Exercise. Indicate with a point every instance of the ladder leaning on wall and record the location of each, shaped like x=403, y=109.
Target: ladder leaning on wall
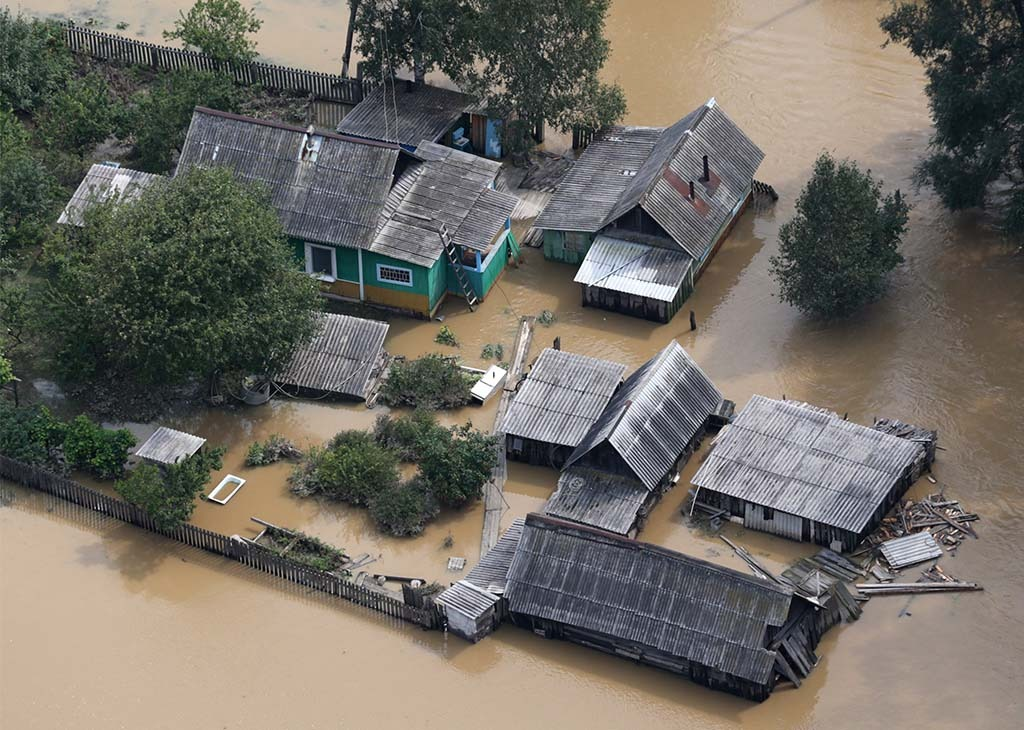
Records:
x=454, y=259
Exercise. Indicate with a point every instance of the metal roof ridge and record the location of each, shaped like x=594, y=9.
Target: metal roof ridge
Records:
x=292, y=128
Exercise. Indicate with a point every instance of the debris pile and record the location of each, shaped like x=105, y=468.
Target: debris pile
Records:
x=945, y=519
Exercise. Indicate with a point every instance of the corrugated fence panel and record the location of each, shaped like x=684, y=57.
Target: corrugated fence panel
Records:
x=781, y=523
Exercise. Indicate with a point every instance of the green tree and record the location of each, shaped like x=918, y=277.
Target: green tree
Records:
x=34, y=61
x=541, y=61
x=162, y=114
x=168, y=495
x=30, y=435
x=355, y=468
x=432, y=382
x=27, y=189
x=81, y=115
x=835, y=253
x=193, y=278
x=423, y=35
x=973, y=53
x=218, y=28
x=403, y=509
x=100, y=451
x=455, y=463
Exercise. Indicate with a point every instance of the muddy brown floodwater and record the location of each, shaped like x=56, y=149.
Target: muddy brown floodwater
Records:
x=103, y=626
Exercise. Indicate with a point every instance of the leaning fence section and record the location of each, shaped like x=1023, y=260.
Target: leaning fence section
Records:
x=111, y=47
x=245, y=552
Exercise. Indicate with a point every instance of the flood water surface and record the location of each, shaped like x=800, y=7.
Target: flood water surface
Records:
x=103, y=626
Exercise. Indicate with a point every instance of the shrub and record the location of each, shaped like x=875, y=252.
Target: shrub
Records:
x=493, y=352
x=168, y=496
x=835, y=253
x=81, y=115
x=30, y=435
x=546, y=318
x=100, y=451
x=305, y=549
x=446, y=337
x=456, y=463
x=432, y=382
x=354, y=468
x=403, y=509
x=34, y=60
x=162, y=115
x=404, y=433
x=27, y=189
x=273, y=450
x=218, y=28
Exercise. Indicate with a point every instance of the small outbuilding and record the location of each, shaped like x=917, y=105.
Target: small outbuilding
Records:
x=656, y=419
x=103, y=182
x=168, y=446
x=721, y=628
x=345, y=358
x=611, y=502
x=556, y=405
x=803, y=472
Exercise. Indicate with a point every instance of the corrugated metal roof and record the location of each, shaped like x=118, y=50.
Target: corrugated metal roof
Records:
x=634, y=268
x=467, y=599
x=654, y=415
x=805, y=461
x=340, y=358
x=597, y=180
x=491, y=573
x=596, y=192
x=335, y=198
x=910, y=549
x=101, y=183
x=562, y=397
x=449, y=187
x=424, y=112
x=647, y=594
x=598, y=499
x=168, y=446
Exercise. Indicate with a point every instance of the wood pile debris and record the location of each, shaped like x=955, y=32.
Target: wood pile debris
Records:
x=948, y=522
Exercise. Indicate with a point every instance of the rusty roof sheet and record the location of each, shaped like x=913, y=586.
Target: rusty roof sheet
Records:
x=634, y=268
x=806, y=461
x=562, y=397
x=340, y=358
x=654, y=415
x=103, y=182
x=648, y=595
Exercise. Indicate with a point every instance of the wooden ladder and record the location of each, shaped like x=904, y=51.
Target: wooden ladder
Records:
x=455, y=260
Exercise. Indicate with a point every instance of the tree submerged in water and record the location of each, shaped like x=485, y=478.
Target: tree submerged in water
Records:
x=218, y=28
x=432, y=381
x=835, y=254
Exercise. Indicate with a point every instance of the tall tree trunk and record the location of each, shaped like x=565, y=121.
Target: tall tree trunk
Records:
x=419, y=71
x=353, y=8
x=1018, y=5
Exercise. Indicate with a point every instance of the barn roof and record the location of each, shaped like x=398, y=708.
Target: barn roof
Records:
x=806, y=461
x=334, y=196
x=423, y=112
x=562, y=397
x=168, y=446
x=104, y=181
x=491, y=573
x=467, y=599
x=643, y=593
x=634, y=268
x=654, y=415
x=340, y=358
x=652, y=168
x=449, y=187
x=597, y=498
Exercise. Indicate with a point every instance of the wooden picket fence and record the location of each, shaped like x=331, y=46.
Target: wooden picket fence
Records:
x=245, y=552
x=582, y=137
x=111, y=47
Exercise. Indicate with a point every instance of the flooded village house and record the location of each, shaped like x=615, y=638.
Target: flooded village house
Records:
x=805, y=473
x=644, y=209
x=408, y=112
x=373, y=222
x=716, y=626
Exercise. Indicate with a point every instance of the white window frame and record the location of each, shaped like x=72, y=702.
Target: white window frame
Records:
x=392, y=281
x=333, y=276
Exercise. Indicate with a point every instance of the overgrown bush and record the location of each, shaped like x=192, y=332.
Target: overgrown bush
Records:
x=34, y=60
x=81, y=115
x=445, y=336
x=351, y=468
x=305, y=549
x=31, y=435
x=432, y=381
x=493, y=352
x=162, y=114
x=274, y=449
x=168, y=495
x=403, y=434
x=404, y=509
x=218, y=28
x=100, y=451
x=28, y=191
x=456, y=463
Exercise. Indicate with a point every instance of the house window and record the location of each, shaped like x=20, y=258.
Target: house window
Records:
x=320, y=262
x=769, y=514
x=394, y=275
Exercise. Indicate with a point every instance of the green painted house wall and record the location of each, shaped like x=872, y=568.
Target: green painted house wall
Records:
x=569, y=247
x=491, y=268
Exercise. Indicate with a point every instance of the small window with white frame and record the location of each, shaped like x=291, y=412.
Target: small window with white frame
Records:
x=320, y=262
x=394, y=275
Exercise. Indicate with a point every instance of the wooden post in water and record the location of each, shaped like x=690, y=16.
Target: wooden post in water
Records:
x=693, y=320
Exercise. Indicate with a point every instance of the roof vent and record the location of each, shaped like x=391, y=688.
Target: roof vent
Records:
x=629, y=173
x=310, y=146
x=613, y=138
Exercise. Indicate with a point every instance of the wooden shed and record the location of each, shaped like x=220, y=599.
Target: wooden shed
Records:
x=803, y=472
x=168, y=446
x=721, y=628
x=556, y=405
x=656, y=419
x=345, y=358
